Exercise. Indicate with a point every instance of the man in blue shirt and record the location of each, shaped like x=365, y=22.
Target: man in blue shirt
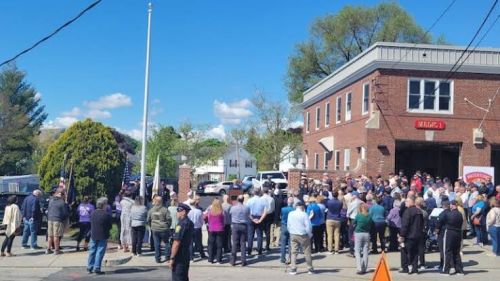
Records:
x=284, y=234
x=377, y=213
x=258, y=212
x=315, y=215
x=333, y=222
x=32, y=217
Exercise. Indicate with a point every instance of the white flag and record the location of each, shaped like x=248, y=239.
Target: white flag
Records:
x=156, y=181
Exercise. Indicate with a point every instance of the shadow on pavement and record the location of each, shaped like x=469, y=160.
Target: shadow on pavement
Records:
x=132, y=270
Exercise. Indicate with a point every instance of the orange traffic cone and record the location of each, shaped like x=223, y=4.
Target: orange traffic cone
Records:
x=382, y=272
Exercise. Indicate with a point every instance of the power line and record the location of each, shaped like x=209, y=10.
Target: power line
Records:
x=427, y=31
x=458, y=64
x=91, y=6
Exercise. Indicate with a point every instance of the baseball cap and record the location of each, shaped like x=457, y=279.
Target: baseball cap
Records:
x=300, y=203
x=183, y=207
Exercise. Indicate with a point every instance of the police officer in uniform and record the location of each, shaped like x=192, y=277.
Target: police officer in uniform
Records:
x=452, y=239
x=179, y=258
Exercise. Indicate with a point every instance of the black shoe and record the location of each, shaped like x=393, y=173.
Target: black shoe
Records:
x=89, y=271
x=413, y=272
x=403, y=271
x=243, y=264
x=98, y=272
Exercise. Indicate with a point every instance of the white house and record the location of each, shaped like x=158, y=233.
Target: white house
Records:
x=236, y=163
x=291, y=160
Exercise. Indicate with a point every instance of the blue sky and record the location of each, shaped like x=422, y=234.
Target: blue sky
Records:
x=208, y=57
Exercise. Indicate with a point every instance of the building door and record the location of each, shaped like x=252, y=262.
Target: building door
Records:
x=495, y=161
x=437, y=159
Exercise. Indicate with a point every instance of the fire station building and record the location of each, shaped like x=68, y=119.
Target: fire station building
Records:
x=401, y=106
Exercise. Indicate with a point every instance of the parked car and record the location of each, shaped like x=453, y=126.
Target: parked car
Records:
x=276, y=176
x=220, y=188
x=200, y=189
x=247, y=183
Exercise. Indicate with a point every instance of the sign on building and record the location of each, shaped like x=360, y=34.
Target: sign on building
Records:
x=478, y=174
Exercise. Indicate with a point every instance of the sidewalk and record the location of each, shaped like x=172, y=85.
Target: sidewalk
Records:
x=475, y=258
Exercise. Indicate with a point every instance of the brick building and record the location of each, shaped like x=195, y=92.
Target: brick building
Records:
x=395, y=107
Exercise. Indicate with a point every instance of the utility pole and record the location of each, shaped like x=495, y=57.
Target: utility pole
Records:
x=145, y=111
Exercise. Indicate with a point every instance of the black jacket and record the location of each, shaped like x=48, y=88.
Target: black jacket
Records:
x=452, y=220
x=100, y=225
x=412, y=223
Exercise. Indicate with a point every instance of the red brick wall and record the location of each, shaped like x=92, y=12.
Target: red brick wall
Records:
x=347, y=134
x=388, y=89
x=184, y=182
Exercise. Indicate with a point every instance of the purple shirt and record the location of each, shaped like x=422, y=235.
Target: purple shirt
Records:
x=84, y=211
x=394, y=217
x=215, y=223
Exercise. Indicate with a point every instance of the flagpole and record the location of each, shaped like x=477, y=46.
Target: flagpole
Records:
x=145, y=111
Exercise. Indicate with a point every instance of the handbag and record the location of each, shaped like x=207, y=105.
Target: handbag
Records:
x=476, y=221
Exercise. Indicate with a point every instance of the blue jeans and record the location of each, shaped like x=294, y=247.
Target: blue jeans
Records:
x=284, y=242
x=494, y=232
x=30, y=228
x=158, y=237
x=97, y=249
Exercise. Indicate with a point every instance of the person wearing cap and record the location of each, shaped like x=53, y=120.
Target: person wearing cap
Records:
x=452, y=222
x=182, y=242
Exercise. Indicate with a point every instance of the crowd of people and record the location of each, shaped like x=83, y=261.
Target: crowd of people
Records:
x=352, y=215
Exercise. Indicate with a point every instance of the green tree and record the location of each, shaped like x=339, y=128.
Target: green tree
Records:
x=92, y=153
x=336, y=39
x=196, y=147
x=270, y=138
x=42, y=144
x=21, y=117
x=162, y=143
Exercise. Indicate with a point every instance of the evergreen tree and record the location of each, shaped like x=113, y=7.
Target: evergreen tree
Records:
x=21, y=117
x=93, y=154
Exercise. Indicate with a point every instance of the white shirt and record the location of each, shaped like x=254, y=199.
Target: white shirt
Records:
x=352, y=209
x=270, y=203
x=299, y=223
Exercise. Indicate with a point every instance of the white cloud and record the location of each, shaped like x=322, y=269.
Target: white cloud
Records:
x=95, y=109
x=74, y=112
x=232, y=113
x=134, y=133
x=98, y=114
x=38, y=96
x=296, y=124
x=109, y=102
x=60, y=122
x=218, y=132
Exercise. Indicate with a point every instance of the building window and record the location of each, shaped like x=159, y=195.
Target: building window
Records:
x=316, y=161
x=318, y=117
x=248, y=163
x=430, y=96
x=308, y=121
x=347, y=159
x=366, y=99
x=348, y=104
x=326, y=160
x=327, y=114
x=338, y=116
x=233, y=163
x=337, y=160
